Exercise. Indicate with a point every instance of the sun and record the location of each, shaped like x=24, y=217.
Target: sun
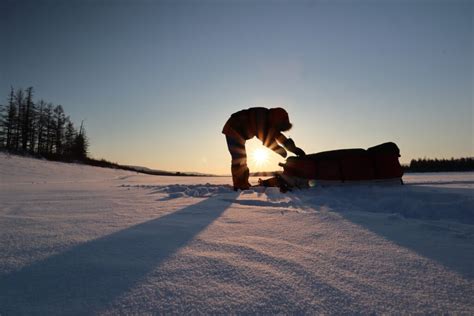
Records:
x=260, y=157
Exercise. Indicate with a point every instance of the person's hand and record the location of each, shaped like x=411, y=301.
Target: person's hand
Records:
x=299, y=152
x=290, y=145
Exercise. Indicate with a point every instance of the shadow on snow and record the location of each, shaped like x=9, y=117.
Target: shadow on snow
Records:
x=90, y=276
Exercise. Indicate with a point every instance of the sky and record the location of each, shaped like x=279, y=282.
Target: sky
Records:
x=155, y=81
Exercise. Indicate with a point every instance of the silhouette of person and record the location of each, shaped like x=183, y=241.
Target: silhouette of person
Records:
x=266, y=125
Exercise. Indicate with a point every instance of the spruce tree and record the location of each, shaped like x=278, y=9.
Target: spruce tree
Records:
x=11, y=118
x=49, y=129
x=27, y=119
x=81, y=144
x=59, y=121
x=19, y=99
x=69, y=138
x=40, y=127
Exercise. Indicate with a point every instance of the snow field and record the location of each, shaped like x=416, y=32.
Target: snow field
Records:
x=85, y=240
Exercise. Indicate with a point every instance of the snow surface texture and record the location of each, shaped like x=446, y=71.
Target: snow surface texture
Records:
x=85, y=240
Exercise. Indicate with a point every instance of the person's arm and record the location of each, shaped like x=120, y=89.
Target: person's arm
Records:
x=273, y=145
x=289, y=144
x=271, y=142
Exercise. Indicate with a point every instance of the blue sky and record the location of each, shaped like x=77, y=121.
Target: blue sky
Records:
x=156, y=80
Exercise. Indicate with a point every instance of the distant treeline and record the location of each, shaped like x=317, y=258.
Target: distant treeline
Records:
x=107, y=164
x=42, y=130
x=440, y=165
x=39, y=128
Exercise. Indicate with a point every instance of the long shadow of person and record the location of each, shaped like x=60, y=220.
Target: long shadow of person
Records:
x=85, y=279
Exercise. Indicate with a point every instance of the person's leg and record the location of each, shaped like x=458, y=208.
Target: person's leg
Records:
x=240, y=171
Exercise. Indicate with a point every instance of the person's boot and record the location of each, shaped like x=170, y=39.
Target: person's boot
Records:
x=240, y=177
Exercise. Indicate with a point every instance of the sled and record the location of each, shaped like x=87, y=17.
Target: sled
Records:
x=378, y=164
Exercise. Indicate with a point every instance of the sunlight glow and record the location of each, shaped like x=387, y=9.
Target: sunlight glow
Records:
x=260, y=157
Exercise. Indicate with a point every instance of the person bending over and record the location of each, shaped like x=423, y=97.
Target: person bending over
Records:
x=267, y=125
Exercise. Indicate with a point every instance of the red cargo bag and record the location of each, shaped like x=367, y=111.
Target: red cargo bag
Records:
x=385, y=157
x=379, y=162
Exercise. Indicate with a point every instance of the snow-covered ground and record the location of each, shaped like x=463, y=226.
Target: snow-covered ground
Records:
x=85, y=240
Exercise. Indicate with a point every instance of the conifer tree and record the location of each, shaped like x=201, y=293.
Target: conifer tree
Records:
x=59, y=121
x=19, y=99
x=69, y=138
x=10, y=120
x=40, y=127
x=49, y=129
x=81, y=144
x=27, y=119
